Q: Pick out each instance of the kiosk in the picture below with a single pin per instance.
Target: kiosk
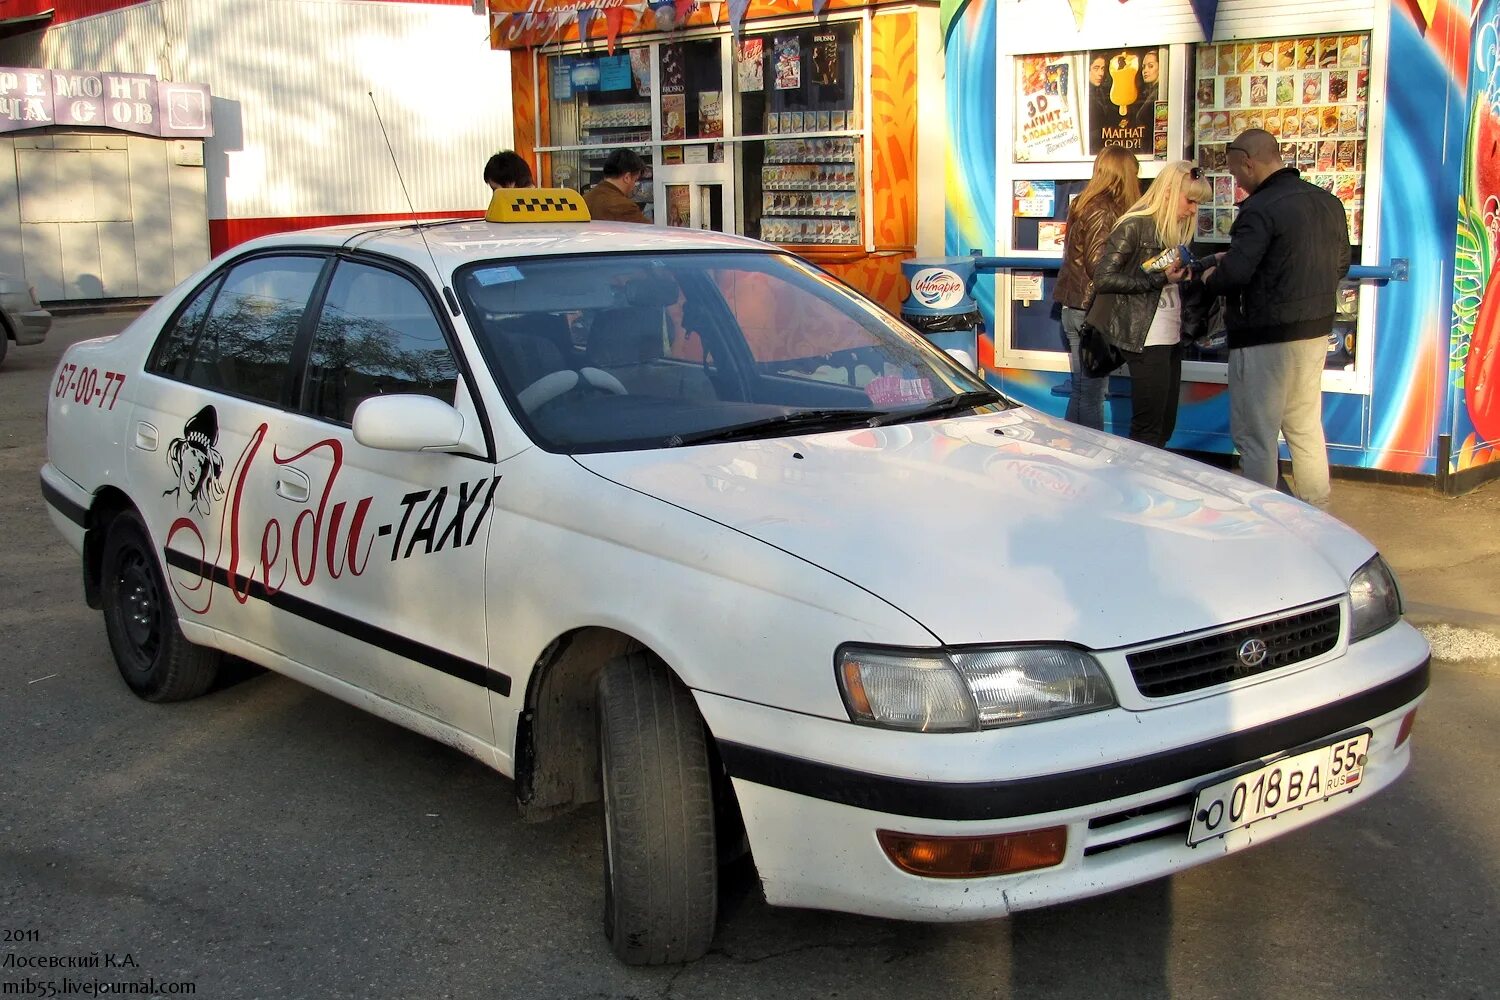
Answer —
(1383, 103)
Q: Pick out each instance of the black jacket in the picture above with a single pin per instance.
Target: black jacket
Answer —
(1288, 250)
(1133, 293)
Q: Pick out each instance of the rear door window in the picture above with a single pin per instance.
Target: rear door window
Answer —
(243, 346)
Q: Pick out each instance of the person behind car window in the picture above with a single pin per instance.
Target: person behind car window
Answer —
(507, 169)
(610, 200)
(1147, 315)
(1114, 187)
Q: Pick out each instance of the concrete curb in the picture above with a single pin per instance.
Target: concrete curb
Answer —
(1436, 614)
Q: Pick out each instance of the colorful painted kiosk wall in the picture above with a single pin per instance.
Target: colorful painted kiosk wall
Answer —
(1392, 106)
(792, 121)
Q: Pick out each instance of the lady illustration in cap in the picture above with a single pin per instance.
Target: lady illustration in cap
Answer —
(196, 463)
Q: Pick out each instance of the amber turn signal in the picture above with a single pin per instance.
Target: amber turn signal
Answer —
(975, 857)
(1406, 727)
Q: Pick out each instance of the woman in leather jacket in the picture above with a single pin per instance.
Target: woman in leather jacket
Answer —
(1112, 189)
(1149, 313)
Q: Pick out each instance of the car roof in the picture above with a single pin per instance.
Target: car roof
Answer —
(456, 242)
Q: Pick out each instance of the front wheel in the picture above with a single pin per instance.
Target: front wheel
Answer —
(154, 658)
(660, 861)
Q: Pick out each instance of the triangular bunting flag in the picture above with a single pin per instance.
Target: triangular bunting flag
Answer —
(1428, 9)
(737, 10)
(1078, 8)
(614, 20)
(818, 6)
(1207, 11)
(684, 8)
(714, 7)
(585, 15)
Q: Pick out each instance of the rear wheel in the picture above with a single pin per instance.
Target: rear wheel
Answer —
(660, 859)
(154, 658)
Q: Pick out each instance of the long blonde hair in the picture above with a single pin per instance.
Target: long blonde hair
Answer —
(1160, 201)
(1116, 178)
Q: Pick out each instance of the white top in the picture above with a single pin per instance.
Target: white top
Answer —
(1166, 326)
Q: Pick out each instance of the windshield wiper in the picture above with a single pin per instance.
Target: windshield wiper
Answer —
(949, 404)
(800, 420)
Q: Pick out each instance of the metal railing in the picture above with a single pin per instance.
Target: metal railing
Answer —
(1397, 270)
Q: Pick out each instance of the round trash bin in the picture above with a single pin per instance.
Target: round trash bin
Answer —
(938, 304)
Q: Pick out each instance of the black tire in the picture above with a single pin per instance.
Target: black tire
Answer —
(660, 865)
(154, 658)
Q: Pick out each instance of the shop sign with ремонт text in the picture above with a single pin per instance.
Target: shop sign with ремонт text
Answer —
(129, 102)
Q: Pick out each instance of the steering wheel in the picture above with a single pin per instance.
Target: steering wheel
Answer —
(554, 384)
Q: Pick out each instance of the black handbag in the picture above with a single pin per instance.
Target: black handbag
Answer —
(1096, 354)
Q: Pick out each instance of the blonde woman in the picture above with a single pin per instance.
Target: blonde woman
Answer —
(1114, 186)
(1142, 312)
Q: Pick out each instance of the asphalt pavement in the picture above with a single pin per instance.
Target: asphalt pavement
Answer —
(266, 841)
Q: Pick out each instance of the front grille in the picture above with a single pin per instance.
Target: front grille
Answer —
(1151, 821)
(1212, 659)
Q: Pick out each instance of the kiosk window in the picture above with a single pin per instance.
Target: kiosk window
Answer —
(801, 86)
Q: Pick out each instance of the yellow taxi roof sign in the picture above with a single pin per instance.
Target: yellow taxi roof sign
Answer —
(537, 205)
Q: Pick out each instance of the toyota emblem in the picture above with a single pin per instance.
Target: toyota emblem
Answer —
(1252, 652)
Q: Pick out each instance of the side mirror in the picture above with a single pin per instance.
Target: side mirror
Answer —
(962, 357)
(408, 422)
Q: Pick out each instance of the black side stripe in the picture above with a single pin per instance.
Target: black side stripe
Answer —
(437, 659)
(1047, 793)
(77, 513)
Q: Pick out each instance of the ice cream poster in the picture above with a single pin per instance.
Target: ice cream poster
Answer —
(1124, 86)
(1047, 122)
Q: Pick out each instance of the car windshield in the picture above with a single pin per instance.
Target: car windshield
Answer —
(611, 352)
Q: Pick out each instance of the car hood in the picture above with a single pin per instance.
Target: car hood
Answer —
(1014, 526)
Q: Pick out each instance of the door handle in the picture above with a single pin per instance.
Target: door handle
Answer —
(146, 437)
(293, 485)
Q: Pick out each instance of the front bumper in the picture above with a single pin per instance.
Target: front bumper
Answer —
(31, 326)
(812, 823)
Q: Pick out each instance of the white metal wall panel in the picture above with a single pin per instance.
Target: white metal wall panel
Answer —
(155, 269)
(80, 260)
(1047, 26)
(10, 211)
(295, 132)
(41, 248)
(185, 189)
(134, 40)
(118, 267)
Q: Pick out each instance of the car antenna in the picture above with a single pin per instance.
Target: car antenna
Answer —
(448, 295)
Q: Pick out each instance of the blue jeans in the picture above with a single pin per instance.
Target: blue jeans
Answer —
(1086, 403)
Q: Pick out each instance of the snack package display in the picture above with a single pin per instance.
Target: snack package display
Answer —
(1294, 88)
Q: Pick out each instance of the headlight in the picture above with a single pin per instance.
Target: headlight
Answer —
(1374, 600)
(941, 692)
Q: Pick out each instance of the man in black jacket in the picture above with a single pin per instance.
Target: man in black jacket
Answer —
(1288, 250)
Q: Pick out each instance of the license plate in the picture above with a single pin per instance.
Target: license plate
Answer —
(1289, 783)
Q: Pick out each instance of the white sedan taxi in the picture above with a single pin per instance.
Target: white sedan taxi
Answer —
(675, 520)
